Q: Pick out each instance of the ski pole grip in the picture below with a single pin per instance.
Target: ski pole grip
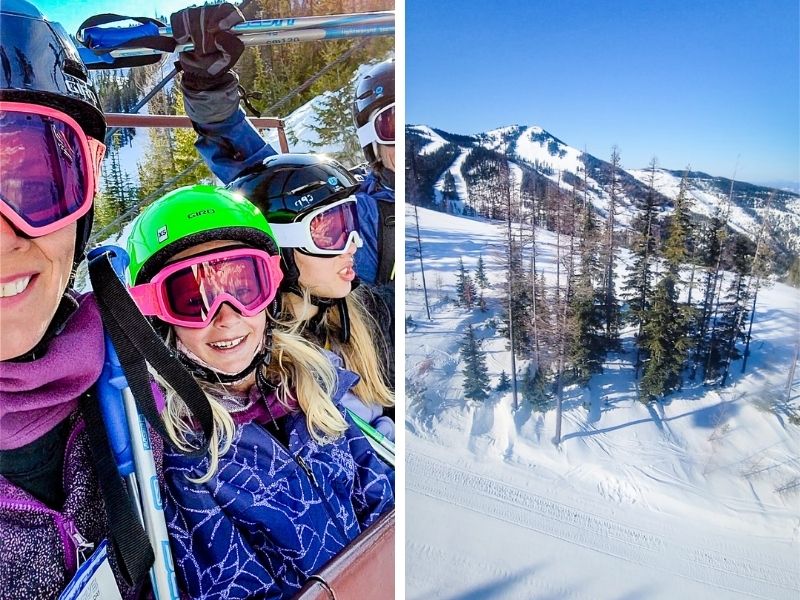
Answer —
(110, 385)
(112, 379)
(118, 256)
(108, 38)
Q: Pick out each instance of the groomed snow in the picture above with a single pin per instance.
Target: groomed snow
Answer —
(696, 498)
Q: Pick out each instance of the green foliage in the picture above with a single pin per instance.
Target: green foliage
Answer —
(505, 382)
(466, 292)
(480, 274)
(520, 299)
(536, 389)
(476, 375)
(665, 342)
(335, 127)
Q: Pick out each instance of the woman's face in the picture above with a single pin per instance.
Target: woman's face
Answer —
(33, 277)
(231, 340)
(328, 277)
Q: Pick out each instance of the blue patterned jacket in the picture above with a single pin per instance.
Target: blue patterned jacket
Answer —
(272, 515)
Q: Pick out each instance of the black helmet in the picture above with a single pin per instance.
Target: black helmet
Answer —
(41, 65)
(288, 186)
(374, 90)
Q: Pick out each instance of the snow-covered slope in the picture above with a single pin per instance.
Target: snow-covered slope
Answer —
(696, 498)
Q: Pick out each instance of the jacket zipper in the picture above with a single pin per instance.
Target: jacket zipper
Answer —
(309, 473)
(73, 543)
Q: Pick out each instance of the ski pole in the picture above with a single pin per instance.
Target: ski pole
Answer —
(382, 445)
(130, 443)
(102, 44)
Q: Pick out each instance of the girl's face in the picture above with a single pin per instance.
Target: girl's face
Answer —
(386, 154)
(328, 277)
(34, 273)
(231, 340)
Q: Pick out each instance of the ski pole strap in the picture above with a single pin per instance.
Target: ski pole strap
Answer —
(129, 540)
(137, 344)
(102, 40)
(385, 242)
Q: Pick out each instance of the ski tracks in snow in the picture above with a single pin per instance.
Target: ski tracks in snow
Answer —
(721, 562)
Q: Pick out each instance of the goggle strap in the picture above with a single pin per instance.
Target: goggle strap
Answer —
(146, 297)
(290, 235)
(367, 134)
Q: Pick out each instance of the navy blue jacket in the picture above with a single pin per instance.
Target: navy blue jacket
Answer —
(234, 145)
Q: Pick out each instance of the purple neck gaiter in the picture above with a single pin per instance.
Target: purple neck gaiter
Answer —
(35, 396)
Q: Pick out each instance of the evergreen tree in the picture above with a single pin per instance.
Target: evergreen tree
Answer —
(466, 293)
(730, 325)
(536, 389)
(518, 287)
(335, 127)
(505, 382)
(480, 274)
(638, 286)
(610, 305)
(711, 243)
(476, 375)
(449, 187)
(665, 343)
(680, 231)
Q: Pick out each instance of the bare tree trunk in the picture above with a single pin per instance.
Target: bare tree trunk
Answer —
(422, 266)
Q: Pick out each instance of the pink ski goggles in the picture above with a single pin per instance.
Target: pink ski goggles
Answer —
(190, 292)
(379, 128)
(50, 168)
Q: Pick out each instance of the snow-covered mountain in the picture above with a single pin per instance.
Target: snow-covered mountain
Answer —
(539, 157)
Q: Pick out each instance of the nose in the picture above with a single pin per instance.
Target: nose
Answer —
(351, 248)
(226, 315)
(10, 238)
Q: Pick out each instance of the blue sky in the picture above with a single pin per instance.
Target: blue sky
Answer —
(695, 82)
(71, 13)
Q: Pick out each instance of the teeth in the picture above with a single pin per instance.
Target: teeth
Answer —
(12, 288)
(227, 344)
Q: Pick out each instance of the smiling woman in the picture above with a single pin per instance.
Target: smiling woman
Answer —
(51, 130)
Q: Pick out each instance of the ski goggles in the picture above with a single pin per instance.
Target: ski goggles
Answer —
(379, 128)
(327, 231)
(190, 292)
(50, 168)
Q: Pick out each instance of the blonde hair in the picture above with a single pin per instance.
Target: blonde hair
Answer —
(301, 375)
(361, 353)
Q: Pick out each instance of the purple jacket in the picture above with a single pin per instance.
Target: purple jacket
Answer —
(39, 545)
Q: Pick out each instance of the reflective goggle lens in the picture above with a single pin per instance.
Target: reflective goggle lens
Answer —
(330, 230)
(45, 170)
(191, 293)
(384, 124)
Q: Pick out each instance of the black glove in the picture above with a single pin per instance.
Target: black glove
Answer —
(216, 50)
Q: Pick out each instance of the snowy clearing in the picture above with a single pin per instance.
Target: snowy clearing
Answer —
(698, 497)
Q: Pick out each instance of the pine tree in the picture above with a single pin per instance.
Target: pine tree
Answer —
(535, 389)
(480, 274)
(638, 286)
(476, 375)
(611, 313)
(518, 289)
(587, 349)
(730, 325)
(665, 343)
(466, 293)
(504, 384)
(335, 127)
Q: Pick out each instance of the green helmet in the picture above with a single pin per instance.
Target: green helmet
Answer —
(189, 216)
